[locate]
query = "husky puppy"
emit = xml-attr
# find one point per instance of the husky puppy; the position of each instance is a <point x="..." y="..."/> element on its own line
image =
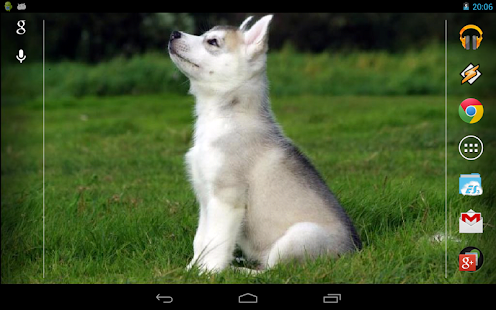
<point x="254" y="187"/>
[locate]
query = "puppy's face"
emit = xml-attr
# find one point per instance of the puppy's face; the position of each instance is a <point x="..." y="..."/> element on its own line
<point x="212" y="56"/>
<point x="224" y="55"/>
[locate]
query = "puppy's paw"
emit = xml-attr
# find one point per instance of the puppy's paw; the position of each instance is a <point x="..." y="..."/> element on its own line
<point x="206" y="267"/>
<point x="248" y="271"/>
<point x="194" y="263"/>
<point x="189" y="266"/>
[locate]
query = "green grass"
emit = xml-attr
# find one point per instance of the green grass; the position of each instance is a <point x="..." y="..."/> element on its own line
<point x="119" y="208"/>
<point x="415" y="72"/>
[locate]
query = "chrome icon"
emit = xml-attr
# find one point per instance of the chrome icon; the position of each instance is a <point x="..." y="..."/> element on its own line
<point x="471" y="110"/>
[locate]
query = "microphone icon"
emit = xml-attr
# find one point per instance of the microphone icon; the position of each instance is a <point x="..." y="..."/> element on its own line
<point x="21" y="56"/>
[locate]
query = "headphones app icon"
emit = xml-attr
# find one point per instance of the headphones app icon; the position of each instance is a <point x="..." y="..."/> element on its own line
<point x="476" y="40"/>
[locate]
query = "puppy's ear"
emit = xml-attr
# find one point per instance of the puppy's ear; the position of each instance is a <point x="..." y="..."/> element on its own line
<point x="256" y="39"/>
<point x="244" y="25"/>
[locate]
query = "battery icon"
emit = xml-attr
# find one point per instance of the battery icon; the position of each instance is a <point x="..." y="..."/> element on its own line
<point x="466" y="6"/>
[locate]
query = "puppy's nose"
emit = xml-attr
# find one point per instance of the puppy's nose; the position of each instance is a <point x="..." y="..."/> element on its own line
<point x="175" y="35"/>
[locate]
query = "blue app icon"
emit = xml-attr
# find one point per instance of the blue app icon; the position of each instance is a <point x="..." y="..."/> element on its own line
<point x="470" y="184"/>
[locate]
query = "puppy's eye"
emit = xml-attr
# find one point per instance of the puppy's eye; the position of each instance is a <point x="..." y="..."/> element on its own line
<point x="213" y="42"/>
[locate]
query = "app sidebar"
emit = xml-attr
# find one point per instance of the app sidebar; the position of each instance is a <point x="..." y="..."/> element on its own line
<point x="470" y="161"/>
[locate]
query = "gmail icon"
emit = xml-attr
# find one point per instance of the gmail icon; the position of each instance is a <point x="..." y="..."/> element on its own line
<point x="470" y="222"/>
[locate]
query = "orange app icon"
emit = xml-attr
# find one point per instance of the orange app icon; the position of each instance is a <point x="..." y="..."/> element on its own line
<point x="474" y="40"/>
<point x="470" y="74"/>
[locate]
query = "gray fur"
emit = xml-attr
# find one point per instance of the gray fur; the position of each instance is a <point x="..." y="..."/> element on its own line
<point x="243" y="152"/>
<point x="254" y="186"/>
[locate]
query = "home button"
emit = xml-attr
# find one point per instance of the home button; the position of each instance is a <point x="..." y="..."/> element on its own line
<point x="247" y="299"/>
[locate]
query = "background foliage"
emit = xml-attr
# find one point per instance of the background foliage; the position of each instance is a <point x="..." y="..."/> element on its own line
<point x="92" y="37"/>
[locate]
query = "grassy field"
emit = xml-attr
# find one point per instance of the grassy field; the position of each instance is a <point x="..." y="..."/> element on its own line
<point x="119" y="208"/>
<point x="378" y="73"/>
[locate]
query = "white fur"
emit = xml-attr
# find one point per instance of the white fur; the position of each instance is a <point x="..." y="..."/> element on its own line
<point x="214" y="243"/>
<point x="253" y="188"/>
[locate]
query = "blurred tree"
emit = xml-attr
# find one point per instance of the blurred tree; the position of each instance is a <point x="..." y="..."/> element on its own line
<point x="93" y="37"/>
